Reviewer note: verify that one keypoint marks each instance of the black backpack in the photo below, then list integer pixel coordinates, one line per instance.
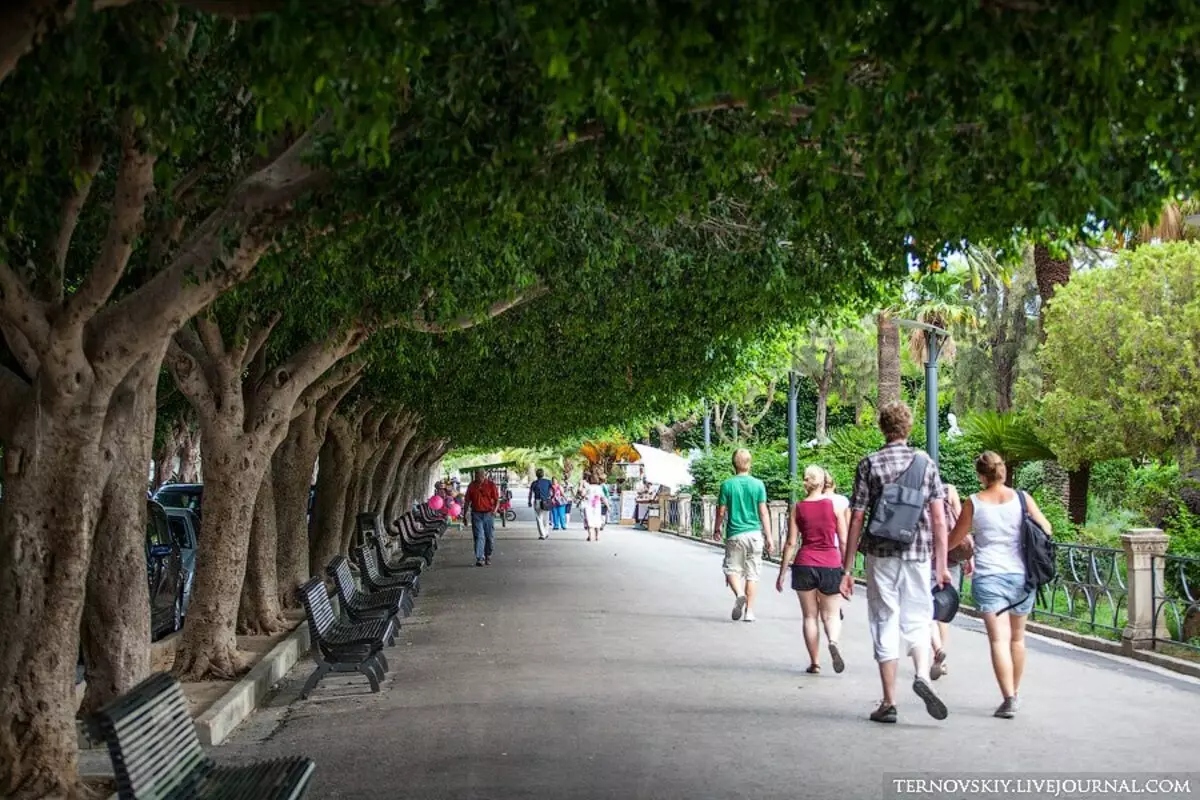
(1037, 549)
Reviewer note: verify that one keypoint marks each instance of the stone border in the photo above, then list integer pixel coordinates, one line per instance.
(233, 707)
(1080, 640)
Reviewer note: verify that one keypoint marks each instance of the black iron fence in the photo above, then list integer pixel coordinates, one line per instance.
(1176, 581)
(671, 522)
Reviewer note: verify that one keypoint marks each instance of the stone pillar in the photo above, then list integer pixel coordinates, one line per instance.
(778, 510)
(1141, 546)
(710, 514)
(685, 513)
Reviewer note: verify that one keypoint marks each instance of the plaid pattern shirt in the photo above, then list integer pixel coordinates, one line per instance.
(882, 467)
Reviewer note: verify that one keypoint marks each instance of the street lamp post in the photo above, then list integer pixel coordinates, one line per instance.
(935, 340)
(707, 429)
(793, 389)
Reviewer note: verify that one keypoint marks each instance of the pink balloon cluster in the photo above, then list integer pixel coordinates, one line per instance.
(436, 502)
(454, 510)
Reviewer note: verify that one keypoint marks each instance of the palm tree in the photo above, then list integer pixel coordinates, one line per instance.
(888, 357)
(601, 455)
(939, 299)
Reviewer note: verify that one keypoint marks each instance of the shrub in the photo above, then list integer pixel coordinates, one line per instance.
(1109, 481)
(1031, 477)
(957, 457)
(1153, 491)
(1056, 514)
(770, 465)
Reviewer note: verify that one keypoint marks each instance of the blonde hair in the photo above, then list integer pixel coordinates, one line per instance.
(814, 478)
(741, 460)
(829, 482)
(991, 468)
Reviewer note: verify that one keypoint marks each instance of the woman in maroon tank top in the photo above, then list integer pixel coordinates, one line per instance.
(820, 533)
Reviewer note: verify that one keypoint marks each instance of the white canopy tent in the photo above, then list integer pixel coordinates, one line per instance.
(663, 468)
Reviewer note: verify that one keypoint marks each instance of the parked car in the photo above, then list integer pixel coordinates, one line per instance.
(164, 573)
(182, 495)
(185, 528)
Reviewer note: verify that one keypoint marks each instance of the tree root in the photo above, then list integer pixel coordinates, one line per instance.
(226, 664)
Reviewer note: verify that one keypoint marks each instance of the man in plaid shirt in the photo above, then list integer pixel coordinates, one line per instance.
(899, 602)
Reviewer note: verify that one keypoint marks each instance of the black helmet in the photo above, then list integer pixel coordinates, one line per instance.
(945, 603)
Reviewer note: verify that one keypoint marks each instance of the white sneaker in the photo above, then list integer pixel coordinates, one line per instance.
(749, 617)
(739, 606)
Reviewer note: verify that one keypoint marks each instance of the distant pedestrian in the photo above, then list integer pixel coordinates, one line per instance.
(558, 508)
(958, 562)
(742, 509)
(819, 532)
(998, 585)
(906, 530)
(594, 505)
(540, 501)
(482, 498)
(841, 503)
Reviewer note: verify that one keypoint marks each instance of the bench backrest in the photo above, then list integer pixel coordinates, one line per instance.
(317, 607)
(365, 556)
(151, 740)
(339, 570)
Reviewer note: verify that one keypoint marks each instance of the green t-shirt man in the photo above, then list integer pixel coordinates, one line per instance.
(740, 496)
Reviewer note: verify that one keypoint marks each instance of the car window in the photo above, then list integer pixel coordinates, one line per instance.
(179, 531)
(156, 533)
(179, 500)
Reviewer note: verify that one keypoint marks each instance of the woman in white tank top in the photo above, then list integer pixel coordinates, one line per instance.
(998, 584)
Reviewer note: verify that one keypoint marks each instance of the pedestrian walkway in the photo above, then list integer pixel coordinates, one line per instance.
(577, 670)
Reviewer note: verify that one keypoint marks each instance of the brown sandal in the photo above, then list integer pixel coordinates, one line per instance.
(813, 669)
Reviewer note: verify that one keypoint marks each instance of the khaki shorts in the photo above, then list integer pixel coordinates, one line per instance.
(743, 555)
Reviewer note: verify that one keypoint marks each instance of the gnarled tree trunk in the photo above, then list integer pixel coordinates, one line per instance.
(189, 457)
(209, 643)
(333, 480)
(364, 450)
(291, 472)
(259, 613)
(116, 615)
(385, 477)
(46, 548)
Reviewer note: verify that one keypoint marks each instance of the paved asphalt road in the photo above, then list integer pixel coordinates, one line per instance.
(612, 670)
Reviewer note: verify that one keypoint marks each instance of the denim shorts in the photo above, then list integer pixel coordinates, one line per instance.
(994, 593)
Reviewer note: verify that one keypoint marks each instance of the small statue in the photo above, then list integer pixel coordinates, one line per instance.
(954, 431)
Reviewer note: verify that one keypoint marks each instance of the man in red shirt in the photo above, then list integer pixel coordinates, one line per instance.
(482, 499)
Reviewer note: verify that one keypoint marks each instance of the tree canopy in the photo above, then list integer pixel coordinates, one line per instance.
(1122, 345)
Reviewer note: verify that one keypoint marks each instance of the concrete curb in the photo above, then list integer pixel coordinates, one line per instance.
(215, 724)
(1083, 641)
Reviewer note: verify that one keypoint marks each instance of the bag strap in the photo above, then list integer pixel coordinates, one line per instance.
(1024, 514)
(910, 478)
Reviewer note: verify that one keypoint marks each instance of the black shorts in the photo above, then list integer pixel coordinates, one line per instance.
(826, 580)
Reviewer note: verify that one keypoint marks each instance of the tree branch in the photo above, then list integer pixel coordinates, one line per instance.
(20, 309)
(256, 340)
(135, 180)
(328, 392)
(256, 209)
(72, 205)
(189, 376)
(25, 355)
(462, 323)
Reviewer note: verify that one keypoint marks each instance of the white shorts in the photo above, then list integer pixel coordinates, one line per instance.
(743, 555)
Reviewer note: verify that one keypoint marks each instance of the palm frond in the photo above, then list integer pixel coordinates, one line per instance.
(1007, 434)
